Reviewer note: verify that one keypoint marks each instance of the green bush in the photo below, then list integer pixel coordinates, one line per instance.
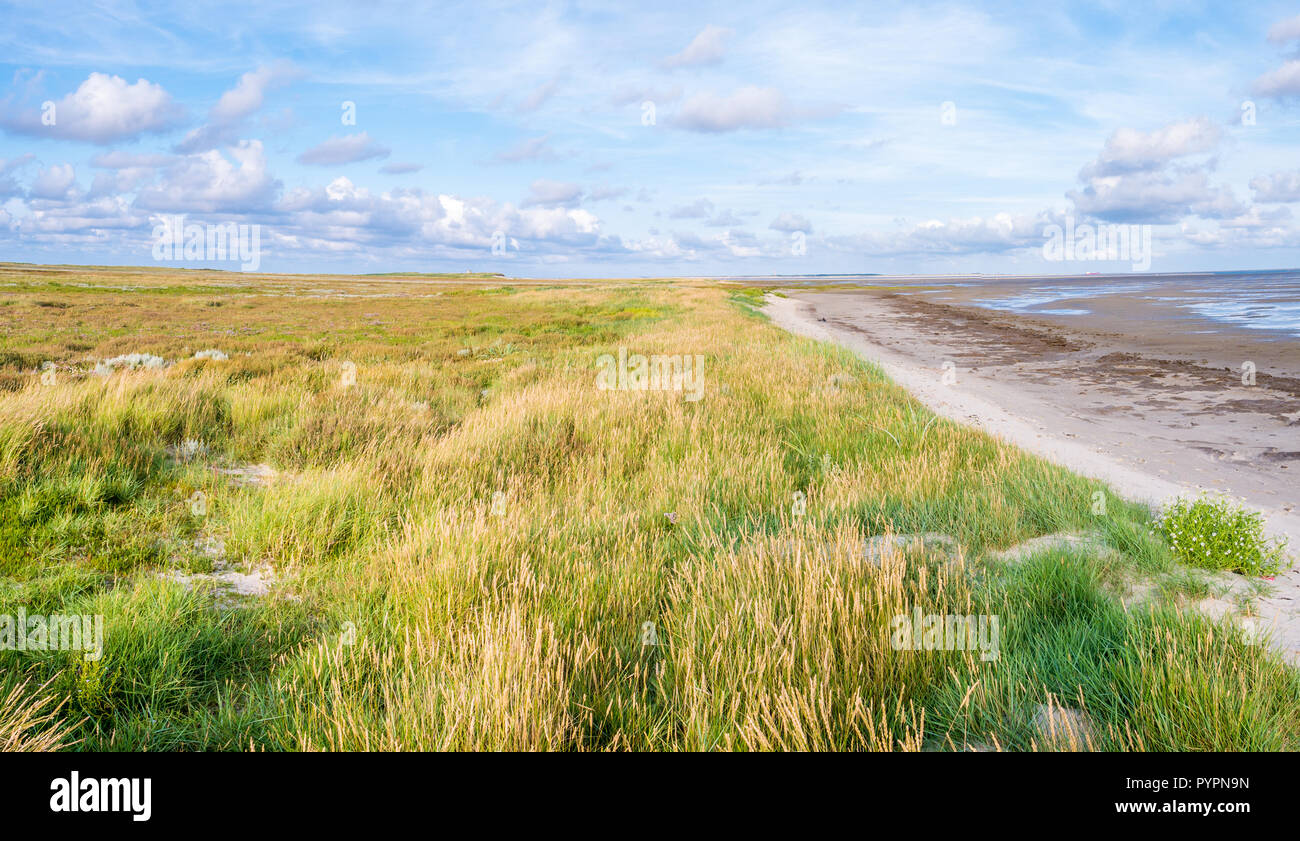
(1214, 534)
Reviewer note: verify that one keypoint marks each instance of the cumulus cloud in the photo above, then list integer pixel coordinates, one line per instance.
(125, 180)
(8, 184)
(344, 149)
(1258, 217)
(341, 210)
(1155, 198)
(346, 217)
(708, 47)
(209, 182)
(750, 107)
(1140, 176)
(103, 109)
(1252, 230)
(1130, 150)
(125, 172)
(339, 217)
(1277, 187)
(55, 182)
(72, 221)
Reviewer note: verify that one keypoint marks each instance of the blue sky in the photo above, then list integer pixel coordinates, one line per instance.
(598, 139)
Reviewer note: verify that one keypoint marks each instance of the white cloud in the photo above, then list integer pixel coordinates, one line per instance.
(750, 107)
(127, 173)
(103, 109)
(544, 193)
(1254, 230)
(1258, 217)
(1000, 233)
(697, 209)
(533, 149)
(344, 149)
(1277, 187)
(637, 95)
(412, 219)
(708, 47)
(102, 220)
(604, 192)
(1130, 150)
(209, 183)
(1285, 31)
(725, 219)
(225, 119)
(790, 222)
(119, 181)
(8, 184)
(56, 182)
(400, 168)
(1155, 198)
(1283, 82)
(539, 95)
(339, 217)
(249, 93)
(1279, 83)
(1139, 177)
(117, 159)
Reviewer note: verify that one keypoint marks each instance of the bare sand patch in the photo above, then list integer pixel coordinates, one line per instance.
(250, 475)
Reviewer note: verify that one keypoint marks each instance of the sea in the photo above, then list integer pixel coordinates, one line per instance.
(1254, 300)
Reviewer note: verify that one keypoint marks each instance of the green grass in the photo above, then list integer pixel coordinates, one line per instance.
(405, 614)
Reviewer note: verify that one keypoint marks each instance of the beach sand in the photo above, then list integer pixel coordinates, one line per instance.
(1127, 395)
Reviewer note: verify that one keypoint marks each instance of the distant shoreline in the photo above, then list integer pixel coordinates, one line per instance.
(580, 273)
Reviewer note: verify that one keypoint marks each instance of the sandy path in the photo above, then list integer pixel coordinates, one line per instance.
(1080, 422)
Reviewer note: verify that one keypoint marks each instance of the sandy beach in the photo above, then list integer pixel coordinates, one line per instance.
(1157, 412)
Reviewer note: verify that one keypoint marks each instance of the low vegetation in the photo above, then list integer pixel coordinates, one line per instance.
(468, 545)
(1215, 534)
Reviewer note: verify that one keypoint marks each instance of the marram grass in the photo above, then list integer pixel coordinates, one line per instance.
(471, 544)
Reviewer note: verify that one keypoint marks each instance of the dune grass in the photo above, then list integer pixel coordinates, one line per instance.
(469, 539)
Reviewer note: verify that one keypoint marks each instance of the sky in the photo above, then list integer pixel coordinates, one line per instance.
(589, 139)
